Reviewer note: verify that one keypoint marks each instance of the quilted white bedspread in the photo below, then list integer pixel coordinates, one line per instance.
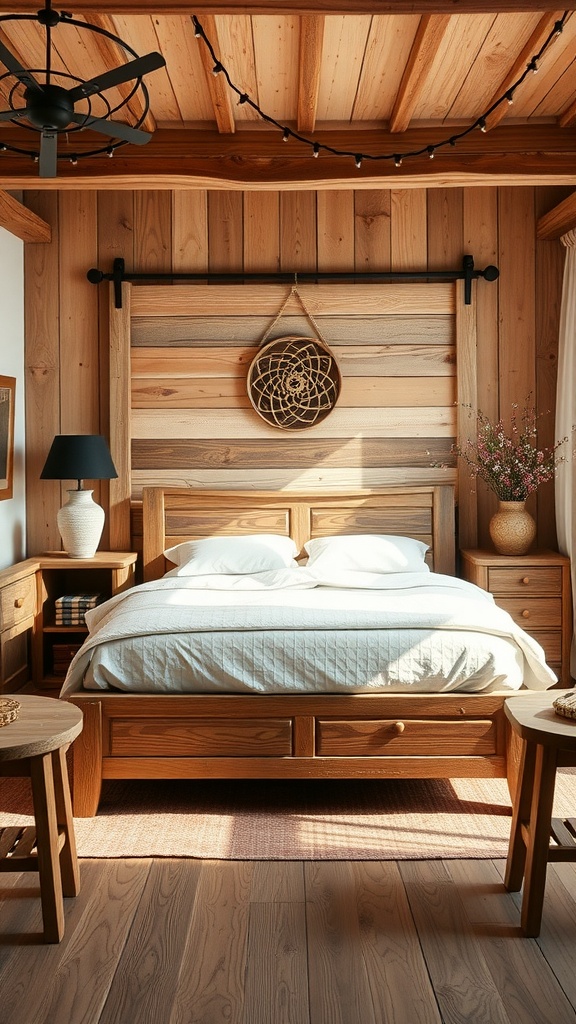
(292, 632)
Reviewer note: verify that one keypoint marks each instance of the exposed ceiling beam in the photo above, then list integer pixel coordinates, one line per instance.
(538, 37)
(293, 7)
(217, 84)
(309, 65)
(568, 118)
(559, 220)
(256, 159)
(113, 55)
(20, 221)
(430, 33)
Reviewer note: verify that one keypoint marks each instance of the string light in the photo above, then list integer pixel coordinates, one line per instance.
(430, 150)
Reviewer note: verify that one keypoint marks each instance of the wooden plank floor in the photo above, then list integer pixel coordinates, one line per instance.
(168, 941)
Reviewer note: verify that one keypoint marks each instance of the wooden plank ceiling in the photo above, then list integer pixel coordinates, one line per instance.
(367, 78)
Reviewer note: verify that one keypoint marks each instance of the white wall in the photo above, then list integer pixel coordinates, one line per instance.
(13, 510)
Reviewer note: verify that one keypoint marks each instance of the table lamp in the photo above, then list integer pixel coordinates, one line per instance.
(79, 457)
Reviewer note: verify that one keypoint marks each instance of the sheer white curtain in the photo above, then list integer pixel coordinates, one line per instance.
(566, 418)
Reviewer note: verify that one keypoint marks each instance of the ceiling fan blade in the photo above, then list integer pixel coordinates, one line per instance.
(116, 129)
(133, 69)
(13, 115)
(48, 158)
(15, 67)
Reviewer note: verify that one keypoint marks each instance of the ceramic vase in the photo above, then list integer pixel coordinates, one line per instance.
(80, 522)
(512, 528)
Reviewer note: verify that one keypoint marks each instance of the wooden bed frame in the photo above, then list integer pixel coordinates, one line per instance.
(147, 736)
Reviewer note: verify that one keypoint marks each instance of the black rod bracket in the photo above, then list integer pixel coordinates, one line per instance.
(468, 273)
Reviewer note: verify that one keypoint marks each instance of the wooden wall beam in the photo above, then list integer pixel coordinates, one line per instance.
(558, 221)
(514, 154)
(22, 222)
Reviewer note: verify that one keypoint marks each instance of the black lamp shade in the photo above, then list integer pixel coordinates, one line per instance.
(79, 457)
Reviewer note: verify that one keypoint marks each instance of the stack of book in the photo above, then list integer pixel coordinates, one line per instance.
(71, 608)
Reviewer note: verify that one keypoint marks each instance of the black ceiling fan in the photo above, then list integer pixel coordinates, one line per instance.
(38, 104)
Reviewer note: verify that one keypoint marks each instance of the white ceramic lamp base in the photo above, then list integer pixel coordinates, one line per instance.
(80, 522)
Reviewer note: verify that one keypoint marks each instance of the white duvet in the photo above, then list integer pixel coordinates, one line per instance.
(290, 631)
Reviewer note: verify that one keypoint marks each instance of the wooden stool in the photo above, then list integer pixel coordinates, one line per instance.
(549, 743)
(34, 746)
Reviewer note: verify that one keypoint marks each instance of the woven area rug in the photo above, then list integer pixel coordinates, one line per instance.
(402, 819)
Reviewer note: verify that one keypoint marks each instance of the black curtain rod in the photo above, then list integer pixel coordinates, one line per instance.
(466, 274)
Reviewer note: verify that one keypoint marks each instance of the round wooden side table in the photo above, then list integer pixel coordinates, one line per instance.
(34, 746)
(536, 837)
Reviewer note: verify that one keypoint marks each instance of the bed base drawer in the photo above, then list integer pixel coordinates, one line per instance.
(197, 737)
(405, 738)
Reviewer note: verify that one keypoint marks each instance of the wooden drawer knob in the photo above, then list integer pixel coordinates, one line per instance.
(525, 580)
(19, 602)
(399, 727)
(526, 614)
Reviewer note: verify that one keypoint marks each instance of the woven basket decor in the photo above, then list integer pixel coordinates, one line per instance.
(294, 382)
(8, 710)
(565, 705)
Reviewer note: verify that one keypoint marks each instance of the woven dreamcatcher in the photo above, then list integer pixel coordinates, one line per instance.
(294, 382)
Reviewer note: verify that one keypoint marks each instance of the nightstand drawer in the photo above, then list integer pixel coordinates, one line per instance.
(533, 612)
(537, 579)
(551, 642)
(17, 602)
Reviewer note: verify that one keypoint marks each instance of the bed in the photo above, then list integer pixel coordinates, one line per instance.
(356, 722)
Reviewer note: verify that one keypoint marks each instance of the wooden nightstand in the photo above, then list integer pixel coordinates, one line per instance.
(535, 589)
(106, 573)
(17, 615)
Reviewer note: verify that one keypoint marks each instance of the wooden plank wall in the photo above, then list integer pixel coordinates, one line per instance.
(68, 345)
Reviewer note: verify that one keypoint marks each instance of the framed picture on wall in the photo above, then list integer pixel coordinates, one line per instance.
(7, 395)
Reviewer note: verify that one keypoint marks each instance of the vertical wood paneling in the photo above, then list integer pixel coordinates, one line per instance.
(372, 230)
(115, 240)
(409, 235)
(152, 231)
(225, 232)
(261, 231)
(42, 369)
(517, 230)
(549, 274)
(445, 249)
(80, 382)
(335, 230)
(480, 239)
(298, 249)
(190, 231)
(119, 332)
(218, 231)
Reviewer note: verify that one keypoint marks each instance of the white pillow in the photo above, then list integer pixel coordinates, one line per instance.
(259, 552)
(366, 553)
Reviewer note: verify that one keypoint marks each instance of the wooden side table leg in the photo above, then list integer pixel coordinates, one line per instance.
(539, 840)
(520, 816)
(47, 845)
(69, 869)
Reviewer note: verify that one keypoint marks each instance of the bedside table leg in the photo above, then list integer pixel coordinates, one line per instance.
(70, 871)
(538, 840)
(47, 844)
(521, 815)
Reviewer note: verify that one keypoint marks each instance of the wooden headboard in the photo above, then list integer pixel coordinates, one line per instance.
(174, 515)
